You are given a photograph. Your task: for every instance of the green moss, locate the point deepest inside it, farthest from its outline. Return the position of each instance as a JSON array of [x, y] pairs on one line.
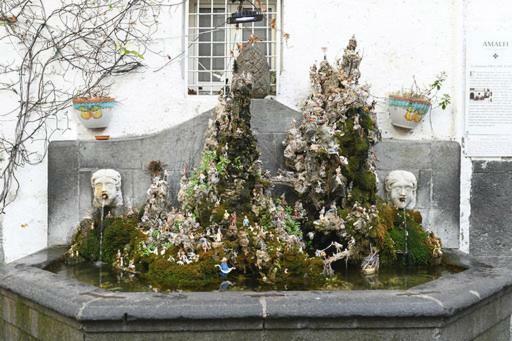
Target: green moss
[[299, 272], [118, 233], [88, 242], [392, 237], [355, 145], [199, 276], [22, 315]]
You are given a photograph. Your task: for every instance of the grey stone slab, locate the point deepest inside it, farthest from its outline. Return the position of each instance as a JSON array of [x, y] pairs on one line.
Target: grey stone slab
[[85, 194], [483, 166], [402, 154], [110, 154], [445, 217], [141, 181], [424, 192], [62, 190], [491, 212], [446, 175], [178, 146], [271, 150], [270, 116], [445, 225]]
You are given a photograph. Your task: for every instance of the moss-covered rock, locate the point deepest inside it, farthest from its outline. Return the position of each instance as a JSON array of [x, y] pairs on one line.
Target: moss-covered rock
[[402, 239], [119, 233]]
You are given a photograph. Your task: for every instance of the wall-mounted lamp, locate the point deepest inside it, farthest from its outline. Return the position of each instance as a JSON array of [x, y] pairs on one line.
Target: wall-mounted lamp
[[245, 15]]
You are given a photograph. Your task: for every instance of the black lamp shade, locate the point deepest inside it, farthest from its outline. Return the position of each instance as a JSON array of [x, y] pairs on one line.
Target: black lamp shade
[[245, 16]]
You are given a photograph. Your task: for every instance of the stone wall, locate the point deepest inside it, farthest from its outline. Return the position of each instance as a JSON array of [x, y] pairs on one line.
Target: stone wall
[[491, 209], [71, 164]]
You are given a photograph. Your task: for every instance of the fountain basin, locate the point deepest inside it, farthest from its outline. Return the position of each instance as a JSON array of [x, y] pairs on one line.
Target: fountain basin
[[475, 304]]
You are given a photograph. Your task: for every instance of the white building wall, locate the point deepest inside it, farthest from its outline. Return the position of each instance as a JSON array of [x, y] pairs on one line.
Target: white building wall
[[399, 39]]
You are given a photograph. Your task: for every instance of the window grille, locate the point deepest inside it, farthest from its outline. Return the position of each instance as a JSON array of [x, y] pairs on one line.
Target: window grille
[[212, 43]]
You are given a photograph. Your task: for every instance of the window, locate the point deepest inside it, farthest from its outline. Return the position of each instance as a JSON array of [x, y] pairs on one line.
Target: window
[[212, 43]]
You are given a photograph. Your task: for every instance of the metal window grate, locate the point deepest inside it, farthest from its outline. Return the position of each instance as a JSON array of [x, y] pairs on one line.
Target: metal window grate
[[212, 43]]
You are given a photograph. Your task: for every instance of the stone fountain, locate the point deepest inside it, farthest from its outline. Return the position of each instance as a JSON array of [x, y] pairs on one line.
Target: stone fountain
[[473, 304]]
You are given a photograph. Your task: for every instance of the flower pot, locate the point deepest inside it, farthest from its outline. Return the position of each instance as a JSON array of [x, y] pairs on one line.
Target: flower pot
[[94, 112], [406, 112]]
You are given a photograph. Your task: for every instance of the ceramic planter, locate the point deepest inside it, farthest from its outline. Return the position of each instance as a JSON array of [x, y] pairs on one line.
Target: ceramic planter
[[406, 112], [94, 112]]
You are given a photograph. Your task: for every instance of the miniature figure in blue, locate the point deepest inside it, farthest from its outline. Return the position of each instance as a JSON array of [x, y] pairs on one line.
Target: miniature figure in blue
[[224, 267]]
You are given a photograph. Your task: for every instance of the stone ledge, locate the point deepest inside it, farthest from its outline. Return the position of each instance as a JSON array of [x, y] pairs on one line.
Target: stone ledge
[[443, 304]]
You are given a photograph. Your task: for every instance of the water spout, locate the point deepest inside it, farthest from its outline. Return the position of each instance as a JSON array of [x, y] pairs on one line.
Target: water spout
[[100, 263], [406, 235]]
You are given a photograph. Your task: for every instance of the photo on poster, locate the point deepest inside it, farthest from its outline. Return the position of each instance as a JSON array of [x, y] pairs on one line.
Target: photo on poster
[[480, 94]]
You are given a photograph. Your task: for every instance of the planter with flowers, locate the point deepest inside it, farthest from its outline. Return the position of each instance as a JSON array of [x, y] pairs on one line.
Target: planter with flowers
[[94, 112], [407, 108]]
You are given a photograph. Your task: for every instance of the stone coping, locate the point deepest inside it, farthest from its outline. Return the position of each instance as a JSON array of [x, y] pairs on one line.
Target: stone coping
[[430, 304]]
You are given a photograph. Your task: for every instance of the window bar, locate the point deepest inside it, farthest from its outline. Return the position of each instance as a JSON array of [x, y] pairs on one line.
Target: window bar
[[186, 50], [227, 62], [196, 45], [278, 43], [211, 48], [269, 34]]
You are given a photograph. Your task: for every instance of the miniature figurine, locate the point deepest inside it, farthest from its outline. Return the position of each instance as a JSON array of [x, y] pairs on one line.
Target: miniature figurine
[[224, 267], [245, 221], [131, 266], [370, 264]]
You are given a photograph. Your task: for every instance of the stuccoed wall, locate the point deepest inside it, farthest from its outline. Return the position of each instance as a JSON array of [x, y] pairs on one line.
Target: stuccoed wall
[[2, 257], [398, 40], [71, 163]]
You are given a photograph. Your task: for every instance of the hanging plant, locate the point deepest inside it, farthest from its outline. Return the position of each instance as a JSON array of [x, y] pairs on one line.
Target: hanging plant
[[407, 108], [94, 112]]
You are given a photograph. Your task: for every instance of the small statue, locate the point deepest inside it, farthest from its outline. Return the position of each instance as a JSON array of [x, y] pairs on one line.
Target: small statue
[[118, 263], [245, 222], [370, 264], [131, 266], [401, 188], [224, 267]]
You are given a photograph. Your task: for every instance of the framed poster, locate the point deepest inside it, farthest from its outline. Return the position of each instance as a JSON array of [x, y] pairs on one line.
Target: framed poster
[[488, 116]]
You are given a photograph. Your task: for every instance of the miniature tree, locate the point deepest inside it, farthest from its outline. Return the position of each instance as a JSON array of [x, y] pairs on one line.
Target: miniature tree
[[331, 166], [229, 177], [328, 156], [229, 194]]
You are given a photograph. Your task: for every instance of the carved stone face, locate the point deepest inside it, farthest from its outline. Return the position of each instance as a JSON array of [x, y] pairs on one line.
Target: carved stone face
[[106, 184], [401, 189]]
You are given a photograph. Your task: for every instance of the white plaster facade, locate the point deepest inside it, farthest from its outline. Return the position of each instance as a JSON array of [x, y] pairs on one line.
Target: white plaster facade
[[398, 39]]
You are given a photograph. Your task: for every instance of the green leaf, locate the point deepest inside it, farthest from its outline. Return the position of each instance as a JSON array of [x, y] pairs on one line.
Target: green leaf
[[125, 52]]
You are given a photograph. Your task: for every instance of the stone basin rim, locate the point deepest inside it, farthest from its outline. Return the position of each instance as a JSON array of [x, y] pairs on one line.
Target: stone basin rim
[[435, 300]]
